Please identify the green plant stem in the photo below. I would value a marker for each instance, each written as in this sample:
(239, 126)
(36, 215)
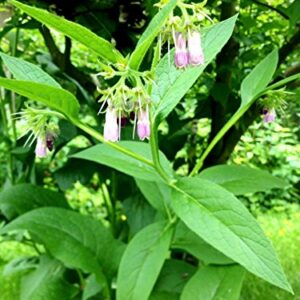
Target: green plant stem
(155, 153)
(116, 146)
(234, 119)
(110, 207)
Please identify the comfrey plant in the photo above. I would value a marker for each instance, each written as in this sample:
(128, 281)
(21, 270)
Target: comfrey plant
(37, 125)
(196, 218)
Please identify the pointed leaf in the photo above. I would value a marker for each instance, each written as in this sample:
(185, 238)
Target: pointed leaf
(79, 241)
(100, 46)
(142, 262)
(172, 84)
(223, 222)
(55, 98)
(23, 70)
(103, 154)
(242, 180)
(214, 283)
(259, 78)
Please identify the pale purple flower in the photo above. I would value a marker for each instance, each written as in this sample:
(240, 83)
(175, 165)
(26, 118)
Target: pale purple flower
(41, 147)
(111, 128)
(269, 115)
(195, 55)
(181, 54)
(143, 125)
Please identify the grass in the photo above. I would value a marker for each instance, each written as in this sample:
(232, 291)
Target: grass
(282, 228)
(10, 285)
(284, 231)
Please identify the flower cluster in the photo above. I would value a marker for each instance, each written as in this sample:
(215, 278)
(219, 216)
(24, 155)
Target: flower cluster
(122, 104)
(272, 102)
(183, 31)
(188, 52)
(40, 128)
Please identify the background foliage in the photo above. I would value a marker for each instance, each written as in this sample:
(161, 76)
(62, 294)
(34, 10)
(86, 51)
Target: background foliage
(112, 200)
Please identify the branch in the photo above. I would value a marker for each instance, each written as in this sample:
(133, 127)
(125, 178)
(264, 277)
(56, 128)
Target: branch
(283, 14)
(63, 61)
(289, 46)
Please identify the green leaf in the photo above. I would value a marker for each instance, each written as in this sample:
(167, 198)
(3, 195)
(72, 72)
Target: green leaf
(19, 199)
(150, 34)
(220, 219)
(173, 276)
(241, 180)
(138, 212)
(156, 194)
(172, 84)
(187, 240)
(23, 70)
(104, 154)
(55, 98)
(142, 262)
(259, 78)
(46, 282)
(83, 242)
(164, 296)
(75, 31)
(214, 283)
(92, 288)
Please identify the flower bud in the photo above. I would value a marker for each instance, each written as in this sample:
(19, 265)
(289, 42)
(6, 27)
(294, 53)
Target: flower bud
(181, 55)
(111, 129)
(41, 147)
(195, 55)
(269, 115)
(143, 125)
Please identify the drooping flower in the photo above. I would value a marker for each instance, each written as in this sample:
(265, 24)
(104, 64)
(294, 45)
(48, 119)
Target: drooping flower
(195, 53)
(41, 147)
(111, 128)
(181, 54)
(269, 115)
(143, 125)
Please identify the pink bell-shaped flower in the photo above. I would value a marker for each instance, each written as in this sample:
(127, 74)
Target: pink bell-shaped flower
(181, 54)
(41, 147)
(111, 128)
(143, 125)
(195, 55)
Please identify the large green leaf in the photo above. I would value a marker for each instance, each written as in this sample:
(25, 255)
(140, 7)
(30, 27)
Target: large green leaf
(75, 31)
(173, 276)
(19, 199)
(23, 70)
(259, 78)
(157, 193)
(46, 282)
(215, 283)
(172, 84)
(241, 180)
(79, 241)
(104, 154)
(222, 221)
(142, 262)
(189, 241)
(55, 98)
(150, 34)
